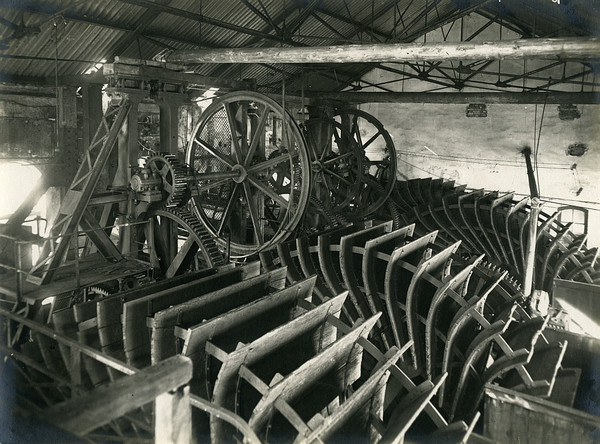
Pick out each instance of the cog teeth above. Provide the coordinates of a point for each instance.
(180, 178)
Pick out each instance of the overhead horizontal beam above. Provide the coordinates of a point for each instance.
(134, 68)
(563, 48)
(581, 98)
(129, 68)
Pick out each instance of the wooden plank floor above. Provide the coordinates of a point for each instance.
(93, 269)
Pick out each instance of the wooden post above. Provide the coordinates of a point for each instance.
(563, 48)
(169, 104)
(108, 402)
(92, 111)
(173, 418)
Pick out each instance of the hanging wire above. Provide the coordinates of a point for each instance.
(200, 24)
(394, 30)
(499, 61)
(56, 147)
(539, 135)
(425, 34)
(372, 20)
(302, 92)
(283, 125)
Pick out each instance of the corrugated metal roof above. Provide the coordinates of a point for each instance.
(90, 31)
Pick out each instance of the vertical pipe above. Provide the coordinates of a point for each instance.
(283, 116)
(77, 275)
(18, 266)
(530, 253)
(533, 218)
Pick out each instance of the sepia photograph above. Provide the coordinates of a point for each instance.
(299, 221)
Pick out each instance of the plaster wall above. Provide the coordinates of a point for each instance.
(27, 127)
(440, 141)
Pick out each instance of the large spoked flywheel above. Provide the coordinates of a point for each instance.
(252, 172)
(379, 159)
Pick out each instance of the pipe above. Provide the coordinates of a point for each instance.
(533, 218)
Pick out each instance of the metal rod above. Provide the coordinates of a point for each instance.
(218, 175)
(63, 339)
(19, 266)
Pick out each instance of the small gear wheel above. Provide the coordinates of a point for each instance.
(176, 178)
(97, 292)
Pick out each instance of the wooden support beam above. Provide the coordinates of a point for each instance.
(534, 415)
(565, 48)
(80, 192)
(106, 403)
(146, 69)
(517, 98)
(98, 236)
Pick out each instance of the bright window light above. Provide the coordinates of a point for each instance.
(580, 322)
(16, 182)
(210, 93)
(96, 67)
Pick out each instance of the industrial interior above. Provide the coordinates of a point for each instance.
(270, 221)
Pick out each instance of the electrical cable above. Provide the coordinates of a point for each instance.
(56, 147)
(537, 146)
(483, 161)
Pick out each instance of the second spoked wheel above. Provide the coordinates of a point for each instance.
(252, 172)
(336, 166)
(379, 159)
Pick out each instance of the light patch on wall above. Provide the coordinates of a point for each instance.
(96, 67)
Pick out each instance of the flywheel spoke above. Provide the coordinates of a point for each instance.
(213, 184)
(233, 128)
(228, 208)
(269, 192)
(222, 157)
(256, 136)
(180, 257)
(252, 207)
(180, 242)
(264, 166)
